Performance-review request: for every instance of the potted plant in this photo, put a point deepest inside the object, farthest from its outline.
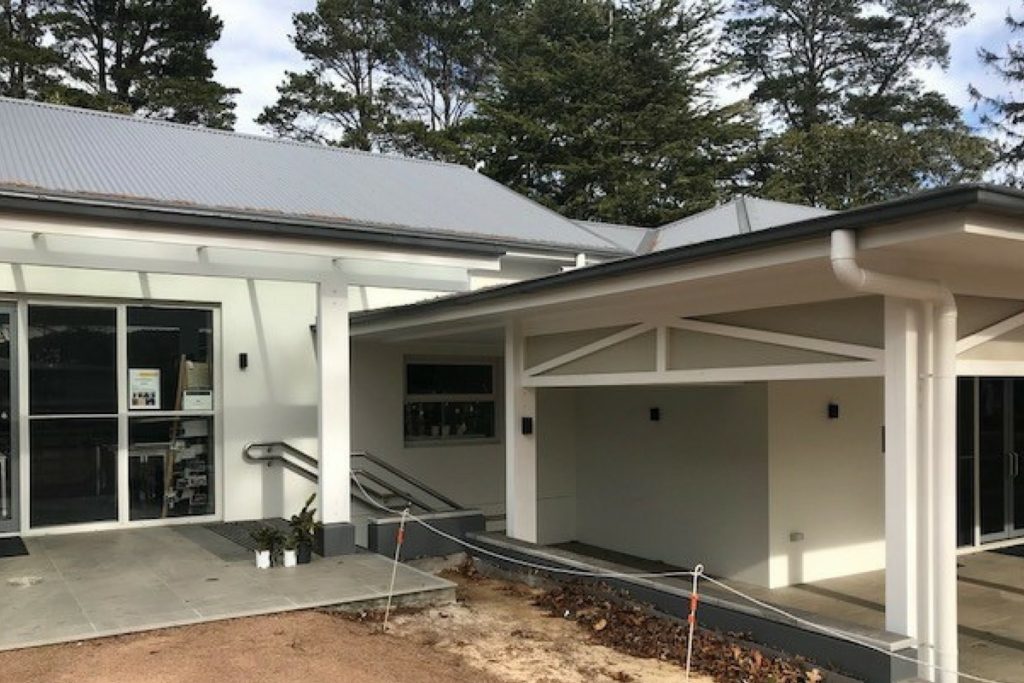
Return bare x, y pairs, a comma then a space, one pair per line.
268, 542
304, 528
290, 545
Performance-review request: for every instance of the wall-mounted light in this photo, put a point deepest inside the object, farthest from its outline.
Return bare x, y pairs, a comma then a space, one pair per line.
243, 361
833, 410
655, 414
527, 426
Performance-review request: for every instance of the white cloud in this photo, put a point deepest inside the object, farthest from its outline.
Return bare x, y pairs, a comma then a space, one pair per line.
254, 51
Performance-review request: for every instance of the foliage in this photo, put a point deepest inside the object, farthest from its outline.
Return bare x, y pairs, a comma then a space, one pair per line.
304, 525
837, 78
27, 62
148, 57
268, 538
1003, 113
603, 111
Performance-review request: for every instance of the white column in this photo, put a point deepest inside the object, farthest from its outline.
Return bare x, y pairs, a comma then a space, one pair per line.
901, 441
332, 349
944, 494
520, 448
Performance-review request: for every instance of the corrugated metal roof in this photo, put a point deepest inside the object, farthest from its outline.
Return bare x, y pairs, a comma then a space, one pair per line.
739, 216
629, 237
54, 149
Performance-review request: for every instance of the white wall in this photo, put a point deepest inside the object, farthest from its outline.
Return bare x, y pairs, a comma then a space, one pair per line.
826, 479
691, 488
275, 398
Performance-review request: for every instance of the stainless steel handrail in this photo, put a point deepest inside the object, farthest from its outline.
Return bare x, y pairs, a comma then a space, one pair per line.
408, 479
305, 465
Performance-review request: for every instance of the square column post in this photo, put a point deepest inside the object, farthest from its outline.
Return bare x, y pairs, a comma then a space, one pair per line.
520, 448
332, 350
901, 452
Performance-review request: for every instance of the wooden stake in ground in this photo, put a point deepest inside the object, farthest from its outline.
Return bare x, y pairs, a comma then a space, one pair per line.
697, 571
394, 567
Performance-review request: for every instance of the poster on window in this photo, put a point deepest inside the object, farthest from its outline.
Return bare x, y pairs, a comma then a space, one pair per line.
144, 388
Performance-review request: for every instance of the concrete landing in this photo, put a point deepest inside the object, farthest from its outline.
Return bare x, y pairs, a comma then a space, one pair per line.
90, 585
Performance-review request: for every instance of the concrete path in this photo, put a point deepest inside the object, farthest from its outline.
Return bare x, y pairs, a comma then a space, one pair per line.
72, 587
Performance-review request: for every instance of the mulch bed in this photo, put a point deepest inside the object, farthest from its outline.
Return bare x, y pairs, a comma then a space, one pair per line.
616, 621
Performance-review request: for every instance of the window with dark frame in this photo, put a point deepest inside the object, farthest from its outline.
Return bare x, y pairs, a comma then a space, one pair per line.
449, 401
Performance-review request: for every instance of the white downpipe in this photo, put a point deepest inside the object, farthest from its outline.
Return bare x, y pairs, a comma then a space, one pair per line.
942, 414
925, 491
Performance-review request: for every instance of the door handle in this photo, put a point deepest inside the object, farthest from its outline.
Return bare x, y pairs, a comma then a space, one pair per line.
1015, 463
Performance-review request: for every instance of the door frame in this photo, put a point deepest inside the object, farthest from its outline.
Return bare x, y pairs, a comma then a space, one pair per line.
13, 473
1009, 534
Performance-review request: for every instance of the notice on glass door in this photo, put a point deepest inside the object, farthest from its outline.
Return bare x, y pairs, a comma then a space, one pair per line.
144, 388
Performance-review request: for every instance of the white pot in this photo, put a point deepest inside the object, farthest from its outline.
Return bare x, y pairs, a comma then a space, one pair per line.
263, 559
290, 558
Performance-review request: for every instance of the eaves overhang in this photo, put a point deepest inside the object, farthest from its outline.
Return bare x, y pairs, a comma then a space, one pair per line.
981, 197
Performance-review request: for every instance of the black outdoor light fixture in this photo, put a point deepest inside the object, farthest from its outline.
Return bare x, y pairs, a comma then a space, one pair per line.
243, 361
527, 425
833, 410
655, 414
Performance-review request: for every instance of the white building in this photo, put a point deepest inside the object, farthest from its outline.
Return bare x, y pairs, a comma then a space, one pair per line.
781, 393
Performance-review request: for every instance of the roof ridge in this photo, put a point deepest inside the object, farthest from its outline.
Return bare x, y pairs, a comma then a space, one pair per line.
100, 113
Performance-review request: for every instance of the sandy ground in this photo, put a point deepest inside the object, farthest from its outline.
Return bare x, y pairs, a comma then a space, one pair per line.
493, 635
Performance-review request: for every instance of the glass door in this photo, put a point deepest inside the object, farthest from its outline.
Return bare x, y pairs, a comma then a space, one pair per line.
8, 436
1016, 477
1000, 444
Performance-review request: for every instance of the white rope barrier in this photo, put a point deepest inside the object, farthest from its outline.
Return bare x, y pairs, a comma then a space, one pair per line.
609, 574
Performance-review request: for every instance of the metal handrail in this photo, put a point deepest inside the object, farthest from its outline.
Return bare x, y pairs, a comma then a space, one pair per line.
408, 479
305, 465
398, 493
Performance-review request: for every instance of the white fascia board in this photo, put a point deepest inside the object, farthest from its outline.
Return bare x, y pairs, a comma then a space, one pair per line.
815, 248
157, 234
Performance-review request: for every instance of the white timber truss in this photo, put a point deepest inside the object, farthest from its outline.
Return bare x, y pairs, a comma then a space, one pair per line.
990, 367
857, 360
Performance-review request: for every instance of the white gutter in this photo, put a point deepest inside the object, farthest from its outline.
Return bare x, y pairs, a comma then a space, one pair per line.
939, 324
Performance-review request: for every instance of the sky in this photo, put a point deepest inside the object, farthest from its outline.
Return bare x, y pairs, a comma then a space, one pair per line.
254, 52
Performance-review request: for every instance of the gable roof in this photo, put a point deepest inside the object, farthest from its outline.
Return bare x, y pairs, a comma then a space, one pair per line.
51, 151
739, 216
630, 237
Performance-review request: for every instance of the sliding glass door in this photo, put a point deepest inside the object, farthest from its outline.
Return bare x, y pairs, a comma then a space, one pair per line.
120, 413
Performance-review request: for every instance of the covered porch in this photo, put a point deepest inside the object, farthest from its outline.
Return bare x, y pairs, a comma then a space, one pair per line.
744, 405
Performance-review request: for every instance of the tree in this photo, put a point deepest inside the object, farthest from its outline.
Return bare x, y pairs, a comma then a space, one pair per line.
1004, 113
148, 57
344, 96
828, 71
385, 74
601, 110
27, 63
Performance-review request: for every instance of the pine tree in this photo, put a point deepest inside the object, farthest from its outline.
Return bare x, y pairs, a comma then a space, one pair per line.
1004, 113
148, 57
602, 111
27, 63
837, 78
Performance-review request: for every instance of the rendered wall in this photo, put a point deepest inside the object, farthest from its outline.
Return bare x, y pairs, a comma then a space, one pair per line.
692, 487
826, 479
275, 398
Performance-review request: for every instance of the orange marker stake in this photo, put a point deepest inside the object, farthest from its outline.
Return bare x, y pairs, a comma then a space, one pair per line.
692, 618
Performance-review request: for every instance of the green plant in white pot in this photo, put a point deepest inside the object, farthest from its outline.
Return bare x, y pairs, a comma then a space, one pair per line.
268, 543
291, 543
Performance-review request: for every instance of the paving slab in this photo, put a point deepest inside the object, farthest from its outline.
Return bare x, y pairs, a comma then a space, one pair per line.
77, 586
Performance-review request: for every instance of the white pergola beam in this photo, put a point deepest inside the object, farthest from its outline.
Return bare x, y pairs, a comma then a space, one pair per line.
590, 349
991, 332
762, 373
780, 339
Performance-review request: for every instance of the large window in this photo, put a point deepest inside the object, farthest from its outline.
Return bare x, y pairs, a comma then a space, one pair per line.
158, 433
449, 401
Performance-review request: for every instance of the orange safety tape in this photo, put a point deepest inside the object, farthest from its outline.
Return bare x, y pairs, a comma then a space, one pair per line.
400, 536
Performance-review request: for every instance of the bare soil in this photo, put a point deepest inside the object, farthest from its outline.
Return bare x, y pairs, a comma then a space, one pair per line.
493, 635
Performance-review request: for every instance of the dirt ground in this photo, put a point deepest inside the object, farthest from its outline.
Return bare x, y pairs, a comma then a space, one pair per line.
493, 635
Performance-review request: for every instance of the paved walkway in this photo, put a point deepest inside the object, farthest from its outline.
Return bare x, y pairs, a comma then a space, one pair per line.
72, 587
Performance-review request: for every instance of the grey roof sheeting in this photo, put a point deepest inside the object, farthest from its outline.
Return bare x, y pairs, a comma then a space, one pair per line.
50, 151
981, 196
629, 237
741, 215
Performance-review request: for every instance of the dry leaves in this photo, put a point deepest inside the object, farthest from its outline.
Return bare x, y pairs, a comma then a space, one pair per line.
632, 628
